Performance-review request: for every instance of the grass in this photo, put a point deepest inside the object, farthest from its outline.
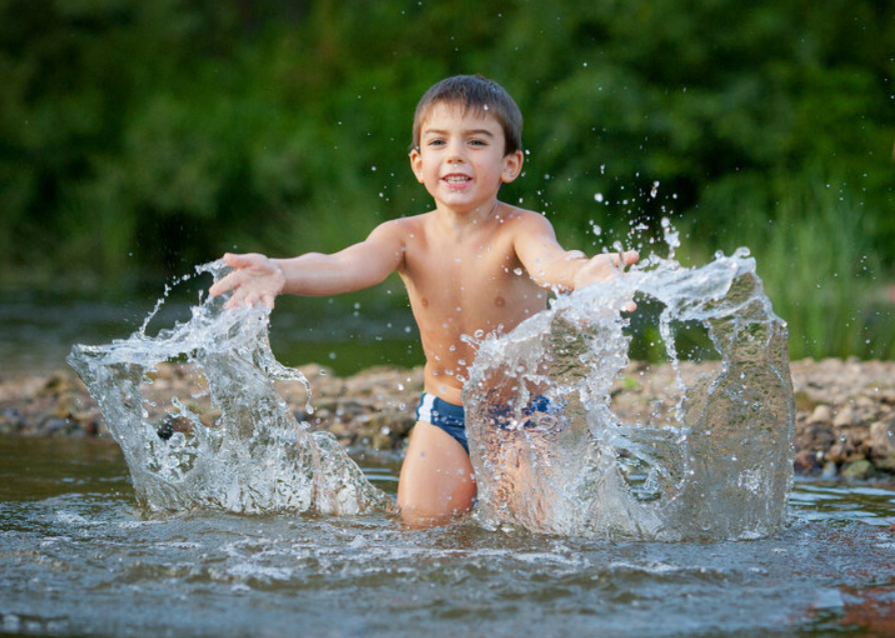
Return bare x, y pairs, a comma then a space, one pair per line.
814, 248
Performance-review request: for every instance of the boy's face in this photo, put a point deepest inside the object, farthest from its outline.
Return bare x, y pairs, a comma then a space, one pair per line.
461, 157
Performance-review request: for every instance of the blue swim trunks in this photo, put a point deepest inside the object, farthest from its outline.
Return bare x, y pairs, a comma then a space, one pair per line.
444, 415
452, 419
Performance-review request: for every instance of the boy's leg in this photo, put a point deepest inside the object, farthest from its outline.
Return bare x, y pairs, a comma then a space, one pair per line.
437, 480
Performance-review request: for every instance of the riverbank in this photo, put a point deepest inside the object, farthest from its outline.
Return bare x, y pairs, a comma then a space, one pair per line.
845, 418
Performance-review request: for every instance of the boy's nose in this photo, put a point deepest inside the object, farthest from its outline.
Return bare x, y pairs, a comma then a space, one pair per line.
455, 154
455, 157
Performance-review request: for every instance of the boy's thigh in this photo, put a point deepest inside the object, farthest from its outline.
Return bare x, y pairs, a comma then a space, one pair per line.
437, 479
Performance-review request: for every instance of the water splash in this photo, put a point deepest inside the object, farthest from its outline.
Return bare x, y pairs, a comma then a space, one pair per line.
228, 442
550, 454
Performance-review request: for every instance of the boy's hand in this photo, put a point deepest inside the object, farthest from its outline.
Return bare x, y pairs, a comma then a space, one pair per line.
255, 280
604, 267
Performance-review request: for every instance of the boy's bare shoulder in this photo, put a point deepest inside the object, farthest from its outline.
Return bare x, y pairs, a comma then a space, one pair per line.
526, 220
403, 226
514, 212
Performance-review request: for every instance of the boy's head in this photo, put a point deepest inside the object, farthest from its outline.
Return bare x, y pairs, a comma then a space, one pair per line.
479, 94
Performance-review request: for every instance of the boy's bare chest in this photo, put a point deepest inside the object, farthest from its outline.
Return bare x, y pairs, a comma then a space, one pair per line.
481, 284
443, 269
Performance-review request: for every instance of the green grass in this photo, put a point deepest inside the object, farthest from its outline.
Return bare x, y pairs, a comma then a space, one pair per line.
814, 248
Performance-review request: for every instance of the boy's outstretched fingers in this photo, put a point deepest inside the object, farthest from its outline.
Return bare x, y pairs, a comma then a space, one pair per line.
255, 280
628, 258
604, 267
228, 282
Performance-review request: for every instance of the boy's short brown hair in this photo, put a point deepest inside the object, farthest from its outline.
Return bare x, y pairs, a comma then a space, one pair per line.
477, 93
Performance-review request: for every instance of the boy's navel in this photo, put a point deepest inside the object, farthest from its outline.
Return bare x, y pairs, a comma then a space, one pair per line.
500, 301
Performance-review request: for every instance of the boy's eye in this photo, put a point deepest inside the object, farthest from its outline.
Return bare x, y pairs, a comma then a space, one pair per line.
478, 143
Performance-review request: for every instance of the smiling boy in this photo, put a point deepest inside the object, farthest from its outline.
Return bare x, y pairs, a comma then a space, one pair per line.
472, 265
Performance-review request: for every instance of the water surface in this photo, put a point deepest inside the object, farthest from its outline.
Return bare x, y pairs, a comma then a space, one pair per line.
78, 558
347, 334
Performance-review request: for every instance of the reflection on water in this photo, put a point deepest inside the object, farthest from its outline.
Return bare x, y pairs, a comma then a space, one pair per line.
77, 558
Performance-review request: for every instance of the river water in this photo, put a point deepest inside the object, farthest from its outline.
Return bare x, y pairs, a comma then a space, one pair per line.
348, 334
78, 558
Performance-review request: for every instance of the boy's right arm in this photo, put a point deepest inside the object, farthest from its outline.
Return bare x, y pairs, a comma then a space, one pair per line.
257, 279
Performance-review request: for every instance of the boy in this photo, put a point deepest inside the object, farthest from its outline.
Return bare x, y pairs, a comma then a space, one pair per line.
472, 264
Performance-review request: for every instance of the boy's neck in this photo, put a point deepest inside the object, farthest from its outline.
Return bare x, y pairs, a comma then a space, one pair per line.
461, 219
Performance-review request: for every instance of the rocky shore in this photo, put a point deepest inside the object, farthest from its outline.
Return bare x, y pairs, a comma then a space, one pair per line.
845, 418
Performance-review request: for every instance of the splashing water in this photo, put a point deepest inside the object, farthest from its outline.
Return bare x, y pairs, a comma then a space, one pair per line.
231, 442
551, 456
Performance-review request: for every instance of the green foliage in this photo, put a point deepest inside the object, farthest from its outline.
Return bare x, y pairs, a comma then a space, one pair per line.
143, 137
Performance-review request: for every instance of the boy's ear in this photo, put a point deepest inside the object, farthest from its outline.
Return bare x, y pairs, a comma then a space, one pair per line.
512, 166
416, 165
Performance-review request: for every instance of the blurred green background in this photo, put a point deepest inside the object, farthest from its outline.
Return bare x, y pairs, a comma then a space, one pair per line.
138, 138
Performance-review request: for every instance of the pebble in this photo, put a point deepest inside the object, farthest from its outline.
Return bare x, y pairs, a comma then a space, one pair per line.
821, 414
846, 417
882, 435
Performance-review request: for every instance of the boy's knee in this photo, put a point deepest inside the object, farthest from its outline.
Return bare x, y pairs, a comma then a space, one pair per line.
423, 516
421, 519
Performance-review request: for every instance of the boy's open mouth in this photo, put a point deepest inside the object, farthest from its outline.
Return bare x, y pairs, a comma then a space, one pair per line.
456, 179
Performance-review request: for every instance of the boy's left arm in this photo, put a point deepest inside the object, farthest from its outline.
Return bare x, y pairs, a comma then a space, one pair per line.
551, 266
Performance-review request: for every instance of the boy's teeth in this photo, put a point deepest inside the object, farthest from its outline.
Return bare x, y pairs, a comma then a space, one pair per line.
456, 179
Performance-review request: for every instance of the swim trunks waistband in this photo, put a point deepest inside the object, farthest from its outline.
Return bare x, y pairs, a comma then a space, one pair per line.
444, 415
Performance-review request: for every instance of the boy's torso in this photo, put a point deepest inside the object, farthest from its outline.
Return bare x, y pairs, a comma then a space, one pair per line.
466, 281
